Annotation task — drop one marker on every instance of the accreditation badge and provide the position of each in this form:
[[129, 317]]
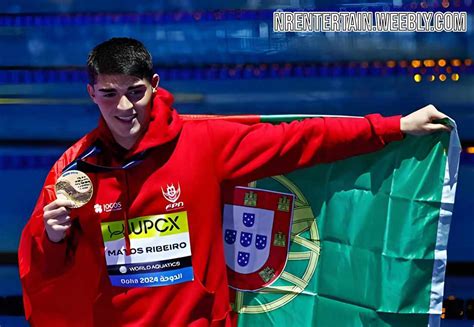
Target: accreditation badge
[[160, 251], [74, 185]]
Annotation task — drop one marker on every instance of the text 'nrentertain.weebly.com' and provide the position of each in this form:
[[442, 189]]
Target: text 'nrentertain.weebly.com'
[[346, 21]]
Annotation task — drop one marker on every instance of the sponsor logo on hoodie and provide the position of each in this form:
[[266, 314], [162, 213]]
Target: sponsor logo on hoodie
[[108, 207]]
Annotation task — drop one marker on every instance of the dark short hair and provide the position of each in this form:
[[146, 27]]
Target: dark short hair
[[120, 55]]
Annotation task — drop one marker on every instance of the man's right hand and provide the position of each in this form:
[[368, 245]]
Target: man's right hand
[[56, 219]]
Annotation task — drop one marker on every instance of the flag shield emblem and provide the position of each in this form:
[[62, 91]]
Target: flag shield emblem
[[252, 232]]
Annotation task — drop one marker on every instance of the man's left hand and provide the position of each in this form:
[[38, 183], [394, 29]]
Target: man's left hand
[[421, 122]]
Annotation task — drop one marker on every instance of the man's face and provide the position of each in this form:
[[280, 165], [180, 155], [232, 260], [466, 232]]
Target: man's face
[[124, 102]]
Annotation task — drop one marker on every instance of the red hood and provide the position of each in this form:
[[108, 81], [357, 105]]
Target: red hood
[[164, 126]]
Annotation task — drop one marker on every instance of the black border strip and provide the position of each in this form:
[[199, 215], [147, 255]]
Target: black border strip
[[8, 258], [182, 262]]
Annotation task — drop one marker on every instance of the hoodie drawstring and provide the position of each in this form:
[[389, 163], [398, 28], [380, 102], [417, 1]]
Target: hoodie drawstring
[[127, 237], [127, 231]]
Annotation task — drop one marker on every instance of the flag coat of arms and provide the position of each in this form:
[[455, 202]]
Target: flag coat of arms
[[256, 227], [368, 239]]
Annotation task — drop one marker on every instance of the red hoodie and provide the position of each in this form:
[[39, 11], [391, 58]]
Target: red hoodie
[[177, 178]]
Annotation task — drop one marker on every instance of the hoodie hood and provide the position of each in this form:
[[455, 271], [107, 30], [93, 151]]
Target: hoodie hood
[[165, 124]]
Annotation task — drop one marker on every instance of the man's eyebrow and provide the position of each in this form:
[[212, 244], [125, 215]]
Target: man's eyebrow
[[136, 87], [133, 87], [108, 90]]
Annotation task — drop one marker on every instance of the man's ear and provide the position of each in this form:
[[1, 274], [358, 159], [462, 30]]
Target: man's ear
[[155, 81], [91, 91]]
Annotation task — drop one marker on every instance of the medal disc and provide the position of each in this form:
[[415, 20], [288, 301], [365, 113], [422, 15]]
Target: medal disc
[[75, 186]]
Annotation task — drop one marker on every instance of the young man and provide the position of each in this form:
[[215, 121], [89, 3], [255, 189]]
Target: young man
[[141, 159]]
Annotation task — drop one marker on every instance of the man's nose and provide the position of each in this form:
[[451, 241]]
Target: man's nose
[[124, 103]]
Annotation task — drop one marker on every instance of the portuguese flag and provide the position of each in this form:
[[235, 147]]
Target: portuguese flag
[[368, 238]]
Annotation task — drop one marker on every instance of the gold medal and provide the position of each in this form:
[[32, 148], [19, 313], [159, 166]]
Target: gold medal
[[75, 186]]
